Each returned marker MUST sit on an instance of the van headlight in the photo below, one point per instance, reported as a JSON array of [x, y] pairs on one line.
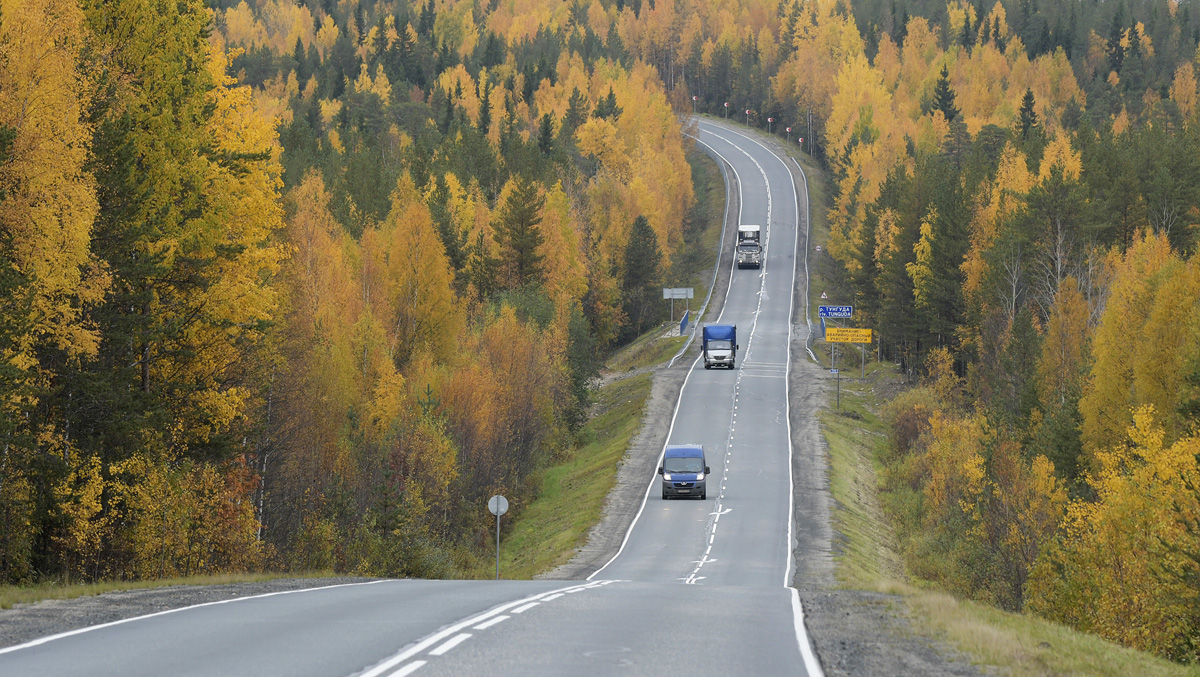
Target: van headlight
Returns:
[[666, 477], [699, 476]]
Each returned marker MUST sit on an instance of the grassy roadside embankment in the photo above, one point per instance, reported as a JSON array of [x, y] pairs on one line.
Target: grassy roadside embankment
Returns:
[[867, 554], [570, 500]]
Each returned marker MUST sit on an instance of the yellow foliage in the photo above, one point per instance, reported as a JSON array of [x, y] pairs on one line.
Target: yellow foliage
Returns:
[[78, 499], [1004, 197], [1113, 388], [1059, 154], [920, 271], [1104, 574], [50, 202], [188, 518], [1063, 348], [566, 277], [421, 311], [1183, 89]]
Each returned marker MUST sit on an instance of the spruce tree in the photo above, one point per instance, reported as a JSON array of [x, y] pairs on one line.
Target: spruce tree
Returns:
[[518, 234], [1027, 119], [943, 96], [643, 273], [546, 134]]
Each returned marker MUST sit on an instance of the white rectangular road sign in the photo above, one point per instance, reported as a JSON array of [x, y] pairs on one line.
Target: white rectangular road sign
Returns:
[[677, 292]]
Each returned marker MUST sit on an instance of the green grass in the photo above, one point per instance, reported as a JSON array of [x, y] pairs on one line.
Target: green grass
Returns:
[[572, 492], [10, 594], [647, 350]]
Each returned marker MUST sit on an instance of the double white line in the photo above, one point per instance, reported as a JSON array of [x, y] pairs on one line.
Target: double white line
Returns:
[[453, 636]]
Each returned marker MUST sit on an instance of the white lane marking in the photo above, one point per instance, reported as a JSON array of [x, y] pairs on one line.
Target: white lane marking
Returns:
[[679, 399], [451, 643], [80, 631], [495, 621], [526, 607], [553, 597], [811, 664], [408, 669], [442, 634], [716, 266]]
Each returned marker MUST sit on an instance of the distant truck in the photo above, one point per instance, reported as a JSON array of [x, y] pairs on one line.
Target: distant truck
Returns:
[[749, 246], [719, 345]]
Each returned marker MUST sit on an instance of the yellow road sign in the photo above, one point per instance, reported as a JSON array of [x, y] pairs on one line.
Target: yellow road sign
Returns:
[[847, 335]]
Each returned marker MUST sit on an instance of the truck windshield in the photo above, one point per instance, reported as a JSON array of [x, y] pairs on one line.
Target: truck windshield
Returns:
[[683, 464], [748, 247], [719, 344]]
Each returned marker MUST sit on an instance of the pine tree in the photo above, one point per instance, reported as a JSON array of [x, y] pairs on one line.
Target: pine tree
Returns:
[[607, 107], [1027, 116], [643, 272], [546, 134], [518, 234], [943, 96], [298, 55], [485, 108], [577, 113]]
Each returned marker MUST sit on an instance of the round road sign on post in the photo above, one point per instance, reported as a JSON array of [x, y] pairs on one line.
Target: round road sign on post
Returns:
[[498, 505]]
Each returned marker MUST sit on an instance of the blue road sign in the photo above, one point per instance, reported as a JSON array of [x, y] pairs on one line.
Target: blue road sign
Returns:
[[841, 312]]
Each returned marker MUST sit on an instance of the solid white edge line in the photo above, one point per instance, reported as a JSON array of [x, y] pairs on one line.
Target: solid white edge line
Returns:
[[679, 399], [811, 664], [450, 643], [522, 609], [80, 631], [421, 645], [716, 266]]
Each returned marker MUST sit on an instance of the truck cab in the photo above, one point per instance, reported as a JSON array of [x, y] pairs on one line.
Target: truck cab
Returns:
[[719, 345], [684, 471], [749, 246]]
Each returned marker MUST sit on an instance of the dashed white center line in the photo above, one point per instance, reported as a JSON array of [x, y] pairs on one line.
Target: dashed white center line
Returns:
[[494, 621], [408, 669], [525, 607], [556, 596], [450, 643]]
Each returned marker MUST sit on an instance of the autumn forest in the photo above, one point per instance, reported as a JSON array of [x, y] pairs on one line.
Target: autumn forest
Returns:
[[298, 284]]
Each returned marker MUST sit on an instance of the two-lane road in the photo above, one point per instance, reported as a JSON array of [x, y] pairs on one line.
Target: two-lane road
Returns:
[[698, 587]]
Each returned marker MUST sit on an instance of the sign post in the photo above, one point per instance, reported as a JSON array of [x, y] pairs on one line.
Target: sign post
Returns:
[[677, 293], [838, 373], [498, 505], [850, 335]]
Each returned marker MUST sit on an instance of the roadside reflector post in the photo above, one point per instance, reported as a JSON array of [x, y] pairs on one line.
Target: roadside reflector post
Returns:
[[498, 505]]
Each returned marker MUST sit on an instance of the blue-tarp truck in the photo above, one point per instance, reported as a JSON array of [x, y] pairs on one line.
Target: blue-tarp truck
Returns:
[[719, 345]]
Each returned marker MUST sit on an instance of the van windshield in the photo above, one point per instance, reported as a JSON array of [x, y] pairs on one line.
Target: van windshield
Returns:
[[720, 344], [683, 464]]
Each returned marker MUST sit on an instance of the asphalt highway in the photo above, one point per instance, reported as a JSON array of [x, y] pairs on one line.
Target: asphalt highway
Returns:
[[698, 587]]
